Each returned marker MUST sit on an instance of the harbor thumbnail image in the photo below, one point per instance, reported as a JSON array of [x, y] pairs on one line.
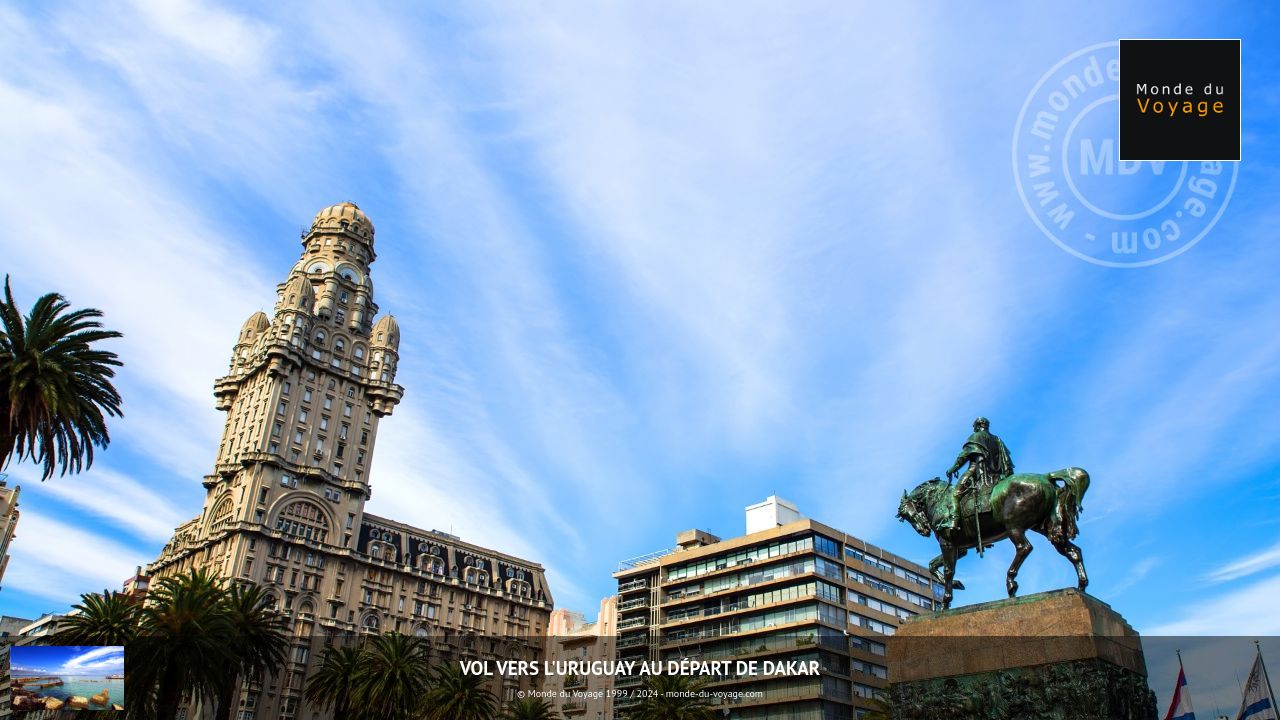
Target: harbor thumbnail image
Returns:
[[55, 677]]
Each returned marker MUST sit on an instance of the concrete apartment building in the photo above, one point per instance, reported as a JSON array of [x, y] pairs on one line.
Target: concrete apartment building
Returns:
[[570, 637], [284, 508], [791, 588]]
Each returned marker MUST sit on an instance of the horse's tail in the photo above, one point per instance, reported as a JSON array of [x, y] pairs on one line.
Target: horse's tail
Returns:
[[1075, 482]]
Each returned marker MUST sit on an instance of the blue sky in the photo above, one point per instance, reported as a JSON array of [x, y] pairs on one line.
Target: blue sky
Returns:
[[68, 659], [653, 262]]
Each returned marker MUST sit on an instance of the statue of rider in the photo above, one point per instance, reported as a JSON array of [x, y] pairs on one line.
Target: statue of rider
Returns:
[[988, 461]]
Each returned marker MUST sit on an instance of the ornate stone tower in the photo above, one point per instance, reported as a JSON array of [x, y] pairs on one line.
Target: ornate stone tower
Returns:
[[304, 395], [285, 505]]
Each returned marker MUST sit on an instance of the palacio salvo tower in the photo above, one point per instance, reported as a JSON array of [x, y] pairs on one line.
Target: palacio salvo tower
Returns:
[[306, 390]]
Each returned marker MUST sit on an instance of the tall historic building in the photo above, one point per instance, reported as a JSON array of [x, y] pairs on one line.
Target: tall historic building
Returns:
[[791, 589], [8, 520], [305, 393]]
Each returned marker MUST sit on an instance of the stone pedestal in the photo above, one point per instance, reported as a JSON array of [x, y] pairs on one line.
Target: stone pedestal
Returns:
[[1060, 655]]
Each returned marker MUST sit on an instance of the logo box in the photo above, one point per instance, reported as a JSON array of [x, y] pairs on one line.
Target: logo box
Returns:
[[1180, 100]]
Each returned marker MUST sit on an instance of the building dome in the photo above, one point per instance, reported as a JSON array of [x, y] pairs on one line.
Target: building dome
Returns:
[[298, 294], [252, 327], [386, 333], [344, 216]]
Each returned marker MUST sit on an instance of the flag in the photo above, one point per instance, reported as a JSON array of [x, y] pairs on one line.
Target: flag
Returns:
[[1258, 704], [1180, 708]]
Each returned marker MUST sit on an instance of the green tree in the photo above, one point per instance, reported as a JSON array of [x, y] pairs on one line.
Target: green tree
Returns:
[[330, 687], [181, 645], [109, 618], [55, 385], [456, 695], [394, 676], [529, 709], [672, 697], [259, 640], [882, 707]]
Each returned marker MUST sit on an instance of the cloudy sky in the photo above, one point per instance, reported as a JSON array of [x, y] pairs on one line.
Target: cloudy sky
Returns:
[[653, 262], [68, 660]]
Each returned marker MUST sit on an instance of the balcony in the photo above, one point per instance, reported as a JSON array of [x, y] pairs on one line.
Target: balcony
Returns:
[[640, 602], [635, 641], [641, 584], [633, 623], [678, 615], [628, 680], [574, 681], [573, 707]]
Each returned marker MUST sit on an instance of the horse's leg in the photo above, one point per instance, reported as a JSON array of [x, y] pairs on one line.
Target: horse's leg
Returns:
[[1069, 550], [948, 572], [935, 569], [1022, 549]]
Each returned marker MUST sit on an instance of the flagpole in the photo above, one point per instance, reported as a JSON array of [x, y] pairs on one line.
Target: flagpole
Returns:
[[1266, 678]]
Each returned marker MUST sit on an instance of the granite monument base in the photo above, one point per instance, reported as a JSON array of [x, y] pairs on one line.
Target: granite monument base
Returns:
[[1060, 655]]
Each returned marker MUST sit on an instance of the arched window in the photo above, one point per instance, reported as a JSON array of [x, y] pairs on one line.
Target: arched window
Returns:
[[339, 346], [221, 516], [420, 631], [431, 564], [382, 551], [320, 337], [305, 520], [358, 351], [306, 607], [371, 622]]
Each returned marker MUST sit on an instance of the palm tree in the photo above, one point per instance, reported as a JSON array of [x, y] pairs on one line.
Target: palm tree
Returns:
[[672, 697], [259, 640], [394, 675], [330, 685], [55, 387], [110, 618], [529, 709], [181, 644], [459, 696]]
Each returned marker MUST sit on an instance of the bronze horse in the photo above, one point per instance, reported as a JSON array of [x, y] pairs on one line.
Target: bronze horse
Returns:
[[1022, 502]]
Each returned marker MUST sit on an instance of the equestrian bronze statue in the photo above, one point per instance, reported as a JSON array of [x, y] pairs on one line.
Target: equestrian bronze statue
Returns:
[[991, 503]]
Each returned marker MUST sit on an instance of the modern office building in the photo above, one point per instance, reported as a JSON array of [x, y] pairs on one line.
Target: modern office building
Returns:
[[8, 521], [36, 631], [571, 638], [791, 588], [305, 394]]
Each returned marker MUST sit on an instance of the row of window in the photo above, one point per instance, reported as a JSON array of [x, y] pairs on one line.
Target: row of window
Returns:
[[873, 625], [817, 611], [886, 566], [749, 555], [882, 586], [884, 607]]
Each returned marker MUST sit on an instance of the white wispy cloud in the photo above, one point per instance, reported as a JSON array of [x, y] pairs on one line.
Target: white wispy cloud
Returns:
[[1250, 610], [95, 660], [1260, 561], [56, 560], [110, 495]]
